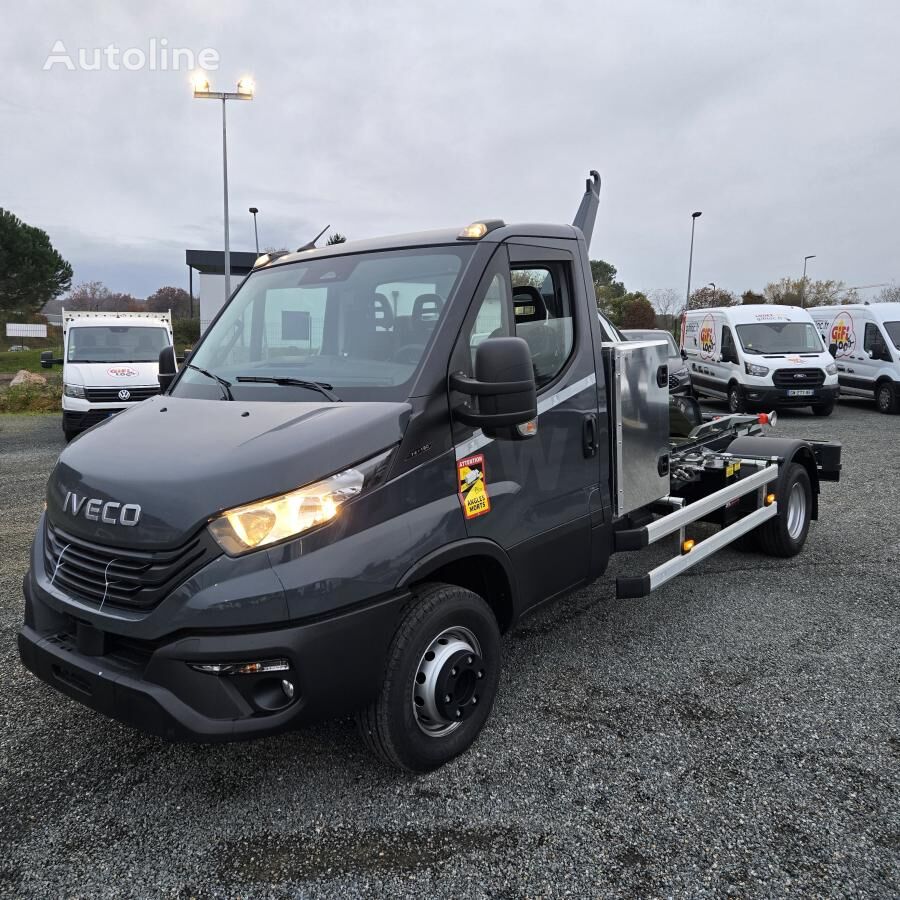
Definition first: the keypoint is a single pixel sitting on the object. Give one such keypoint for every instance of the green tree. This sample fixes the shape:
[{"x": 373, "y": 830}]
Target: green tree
[
  {"x": 606, "y": 288},
  {"x": 706, "y": 297},
  {"x": 806, "y": 292},
  {"x": 749, "y": 298},
  {"x": 335, "y": 238},
  {"x": 31, "y": 271},
  {"x": 170, "y": 298},
  {"x": 638, "y": 312}
]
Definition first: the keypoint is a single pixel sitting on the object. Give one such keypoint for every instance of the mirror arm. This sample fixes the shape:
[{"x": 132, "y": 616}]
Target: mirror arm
[
  {"x": 473, "y": 387},
  {"x": 468, "y": 416}
]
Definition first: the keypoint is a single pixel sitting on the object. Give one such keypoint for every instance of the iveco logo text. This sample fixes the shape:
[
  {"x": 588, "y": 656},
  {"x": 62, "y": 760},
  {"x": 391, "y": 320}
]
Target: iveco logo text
[{"x": 95, "y": 509}]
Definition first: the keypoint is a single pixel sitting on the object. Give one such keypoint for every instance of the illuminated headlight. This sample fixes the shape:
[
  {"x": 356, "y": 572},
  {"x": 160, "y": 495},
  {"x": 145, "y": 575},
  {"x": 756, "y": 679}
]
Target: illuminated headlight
[
  {"x": 277, "y": 519},
  {"x": 74, "y": 390},
  {"x": 831, "y": 368},
  {"x": 753, "y": 369}
]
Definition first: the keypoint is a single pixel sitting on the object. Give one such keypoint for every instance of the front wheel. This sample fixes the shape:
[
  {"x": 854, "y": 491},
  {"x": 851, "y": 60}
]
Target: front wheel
[
  {"x": 736, "y": 400},
  {"x": 785, "y": 534},
  {"x": 441, "y": 678},
  {"x": 886, "y": 397}
]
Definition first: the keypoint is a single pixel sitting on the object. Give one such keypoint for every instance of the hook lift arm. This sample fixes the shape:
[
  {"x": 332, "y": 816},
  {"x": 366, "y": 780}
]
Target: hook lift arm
[{"x": 587, "y": 211}]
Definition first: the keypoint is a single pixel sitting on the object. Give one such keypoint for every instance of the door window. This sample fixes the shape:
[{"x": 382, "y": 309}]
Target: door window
[
  {"x": 542, "y": 311},
  {"x": 729, "y": 351},
  {"x": 873, "y": 341}
]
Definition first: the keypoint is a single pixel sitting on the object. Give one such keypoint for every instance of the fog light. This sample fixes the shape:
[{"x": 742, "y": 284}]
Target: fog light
[
  {"x": 246, "y": 668},
  {"x": 288, "y": 689}
]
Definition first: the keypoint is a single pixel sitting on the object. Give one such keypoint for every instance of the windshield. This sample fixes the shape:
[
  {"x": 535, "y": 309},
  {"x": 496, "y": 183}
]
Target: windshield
[
  {"x": 633, "y": 334},
  {"x": 893, "y": 330},
  {"x": 115, "y": 343},
  {"x": 780, "y": 337},
  {"x": 358, "y": 324}
]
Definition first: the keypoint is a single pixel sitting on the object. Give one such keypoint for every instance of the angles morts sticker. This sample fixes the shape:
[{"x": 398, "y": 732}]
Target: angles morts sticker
[{"x": 473, "y": 492}]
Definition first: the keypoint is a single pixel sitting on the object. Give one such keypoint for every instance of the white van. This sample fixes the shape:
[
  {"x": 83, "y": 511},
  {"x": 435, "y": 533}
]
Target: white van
[
  {"x": 867, "y": 349},
  {"x": 759, "y": 356},
  {"x": 110, "y": 360}
]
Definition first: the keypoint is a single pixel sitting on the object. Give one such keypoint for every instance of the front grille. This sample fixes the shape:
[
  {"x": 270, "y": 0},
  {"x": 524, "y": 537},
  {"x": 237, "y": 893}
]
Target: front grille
[
  {"x": 673, "y": 382},
  {"x": 798, "y": 378},
  {"x": 134, "y": 579},
  {"x": 111, "y": 394}
]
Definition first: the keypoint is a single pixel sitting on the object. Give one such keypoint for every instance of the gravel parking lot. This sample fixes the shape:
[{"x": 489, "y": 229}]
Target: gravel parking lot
[{"x": 736, "y": 734}]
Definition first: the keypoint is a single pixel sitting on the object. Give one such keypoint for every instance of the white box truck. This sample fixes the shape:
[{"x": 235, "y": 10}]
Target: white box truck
[
  {"x": 110, "y": 361},
  {"x": 866, "y": 341},
  {"x": 759, "y": 356}
]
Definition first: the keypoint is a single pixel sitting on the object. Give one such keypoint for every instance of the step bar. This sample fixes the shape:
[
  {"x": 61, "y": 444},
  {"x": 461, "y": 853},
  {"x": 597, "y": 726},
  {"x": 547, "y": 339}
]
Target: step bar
[{"x": 628, "y": 587}]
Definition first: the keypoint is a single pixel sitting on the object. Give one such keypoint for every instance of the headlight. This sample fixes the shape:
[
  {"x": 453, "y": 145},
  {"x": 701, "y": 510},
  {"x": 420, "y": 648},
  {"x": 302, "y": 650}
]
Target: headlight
[
  {"x": 753, "y": 369},
  {"x": 268, "y": 522},
  {"x": 831, "y": 368},
  {"x": 74, "y": 390}
]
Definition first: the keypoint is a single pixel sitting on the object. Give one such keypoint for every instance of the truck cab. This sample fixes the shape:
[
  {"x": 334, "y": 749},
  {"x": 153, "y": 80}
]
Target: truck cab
[
  {"x": 110, "y": 361},
  {"x": 378, "y": 458}
]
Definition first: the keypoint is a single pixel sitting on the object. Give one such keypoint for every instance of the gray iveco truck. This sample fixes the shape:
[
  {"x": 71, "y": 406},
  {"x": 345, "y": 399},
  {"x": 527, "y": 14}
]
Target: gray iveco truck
[{"x": 377, "y": 459}]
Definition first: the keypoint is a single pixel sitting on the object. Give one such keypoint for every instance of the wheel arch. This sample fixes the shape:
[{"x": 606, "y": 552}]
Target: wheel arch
[{"x": 477, "y": 564}]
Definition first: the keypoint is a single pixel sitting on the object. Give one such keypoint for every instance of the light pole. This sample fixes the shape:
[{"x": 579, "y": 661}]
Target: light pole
[
  {"x": 694, "y": 217},
  {"x": 253, "y": 212},
  {"x": 712, "y": 284},
  {"x": 803, "y": 282},
  {"x": 244, "y": 91}
]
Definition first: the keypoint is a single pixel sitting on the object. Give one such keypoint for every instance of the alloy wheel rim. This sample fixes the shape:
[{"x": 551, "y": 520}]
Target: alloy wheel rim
[{"x": 796, "y": 514}]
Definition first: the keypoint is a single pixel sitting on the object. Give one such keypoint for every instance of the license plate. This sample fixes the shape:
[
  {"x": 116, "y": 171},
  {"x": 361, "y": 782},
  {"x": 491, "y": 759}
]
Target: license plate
[{"x": 800, "y": 393}]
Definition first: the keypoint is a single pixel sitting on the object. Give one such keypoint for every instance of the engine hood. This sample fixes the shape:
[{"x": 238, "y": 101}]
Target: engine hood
[{"x": 183, "y": 460}]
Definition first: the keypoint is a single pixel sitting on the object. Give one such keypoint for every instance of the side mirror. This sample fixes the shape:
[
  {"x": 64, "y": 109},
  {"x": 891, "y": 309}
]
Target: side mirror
[
  {"x": 833, "y": 349},
  {"x": 167, "y": 368},
  {"x": 47, "y": 359},
  {"x": 504, "y": 385},
  {"x": 684, "y": 354}
]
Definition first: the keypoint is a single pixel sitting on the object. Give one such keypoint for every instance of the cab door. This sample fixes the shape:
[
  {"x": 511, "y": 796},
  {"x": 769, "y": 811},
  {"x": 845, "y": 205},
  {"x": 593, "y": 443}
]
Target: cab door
[{"x": 538, "y": 491}]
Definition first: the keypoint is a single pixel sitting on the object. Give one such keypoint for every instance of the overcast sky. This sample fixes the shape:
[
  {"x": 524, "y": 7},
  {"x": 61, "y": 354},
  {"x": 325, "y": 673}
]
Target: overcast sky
[{"x": 778, "y": 120}]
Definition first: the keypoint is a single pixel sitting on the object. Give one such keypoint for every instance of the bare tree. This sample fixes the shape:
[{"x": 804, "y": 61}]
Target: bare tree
[
  {"x": 889, "y": 294},
  {"x": 669, "y": 305},
  {"x": 706, "y": 297}
]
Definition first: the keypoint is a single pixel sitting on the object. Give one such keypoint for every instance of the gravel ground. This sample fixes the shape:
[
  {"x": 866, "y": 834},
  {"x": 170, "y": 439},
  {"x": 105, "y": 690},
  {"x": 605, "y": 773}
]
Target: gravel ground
[{"x": 736, "y": 734}]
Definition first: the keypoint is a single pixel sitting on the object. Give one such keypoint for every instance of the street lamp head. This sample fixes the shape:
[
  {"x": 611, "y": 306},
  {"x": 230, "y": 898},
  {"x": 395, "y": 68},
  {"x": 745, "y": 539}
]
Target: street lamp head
[
  {"x": 254, "y": 210},
  {"x": 246, "y": 86},
  {"x": 811, "y": 256},
  {"x": 200, "y": 83},
  {"x": 696, "y": 215}
]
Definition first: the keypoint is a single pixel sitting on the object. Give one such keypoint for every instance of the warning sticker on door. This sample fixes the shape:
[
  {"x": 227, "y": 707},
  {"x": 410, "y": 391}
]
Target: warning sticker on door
[{"x": 473, "y": 492}]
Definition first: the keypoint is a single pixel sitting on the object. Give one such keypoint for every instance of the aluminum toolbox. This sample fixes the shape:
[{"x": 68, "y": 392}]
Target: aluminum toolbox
[{"x": 638, "y": 379}]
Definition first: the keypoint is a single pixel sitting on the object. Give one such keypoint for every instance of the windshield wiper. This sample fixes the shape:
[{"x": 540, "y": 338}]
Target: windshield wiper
[
  {"x": 320, "y": 386},
  {"x": 225, "y": 385}
]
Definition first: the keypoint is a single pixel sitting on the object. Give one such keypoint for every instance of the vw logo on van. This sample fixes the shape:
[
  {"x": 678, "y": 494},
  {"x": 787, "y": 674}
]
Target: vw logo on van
[{"x": 124, "y": 394}]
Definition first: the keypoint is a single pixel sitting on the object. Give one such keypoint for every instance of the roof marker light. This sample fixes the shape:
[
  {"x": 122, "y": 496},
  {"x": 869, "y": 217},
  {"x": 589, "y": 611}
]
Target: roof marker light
[{"x": 477, "y": 230}]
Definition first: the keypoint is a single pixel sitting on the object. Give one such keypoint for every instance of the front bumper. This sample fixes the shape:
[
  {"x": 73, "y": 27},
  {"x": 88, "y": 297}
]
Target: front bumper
[
  {"x": 336, "y": 663},
  {"x": 82, "y": 420},
  {"x": 772, "y": 396}
]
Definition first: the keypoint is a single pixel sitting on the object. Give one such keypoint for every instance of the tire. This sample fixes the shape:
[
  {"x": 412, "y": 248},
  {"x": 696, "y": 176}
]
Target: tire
[
  {"x": 786, "y": 534},
  {"x": 886, "y": 397},
  {"x": 736, "y": 400},
  {"x": 823, "y": 409},
  {"x": 409, "y": 724},
  {"x": 70, "y": 433}
]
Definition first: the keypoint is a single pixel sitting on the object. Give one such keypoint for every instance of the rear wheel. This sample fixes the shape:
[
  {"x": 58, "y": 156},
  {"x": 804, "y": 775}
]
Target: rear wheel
[
  {"x": 786, "y": 534},
  {"x": 441, "y": 679},
  {"x": 886, "y": 397},
  {"x": 736, "y": 400}
]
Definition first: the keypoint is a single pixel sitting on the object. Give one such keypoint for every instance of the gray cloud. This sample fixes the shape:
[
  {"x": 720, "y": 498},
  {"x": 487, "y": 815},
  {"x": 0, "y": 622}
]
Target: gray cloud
[{"x": 777, "y": 120}]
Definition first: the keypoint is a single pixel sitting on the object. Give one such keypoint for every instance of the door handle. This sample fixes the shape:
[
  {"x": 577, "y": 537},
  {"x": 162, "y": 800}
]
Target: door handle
[{"x": 589, "y": 435}]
